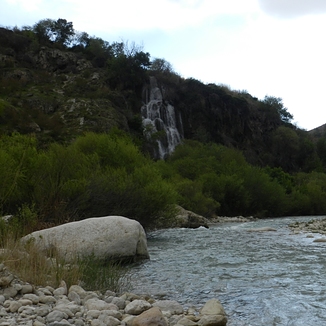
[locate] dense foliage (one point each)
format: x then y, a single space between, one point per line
106 174
72 144
97 175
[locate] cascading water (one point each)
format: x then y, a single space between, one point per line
160 121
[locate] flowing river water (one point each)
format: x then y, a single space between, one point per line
261 278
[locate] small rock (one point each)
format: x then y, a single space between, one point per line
14 306
213 320
172 306
150 317
33 297
2 298
60 291
10 292
212 307
6 280
56 316
136 307
97 304
264 229
320 240
26 288
79 290
74 296
46 299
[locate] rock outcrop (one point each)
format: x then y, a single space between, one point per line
188 219
109 237
23 304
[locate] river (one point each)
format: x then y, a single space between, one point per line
261 278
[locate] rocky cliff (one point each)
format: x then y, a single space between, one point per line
58 93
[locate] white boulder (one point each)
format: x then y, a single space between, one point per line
109 237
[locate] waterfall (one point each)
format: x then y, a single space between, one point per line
160 121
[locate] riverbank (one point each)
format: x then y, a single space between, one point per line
23 304
311 226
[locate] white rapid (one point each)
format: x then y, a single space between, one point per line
160 121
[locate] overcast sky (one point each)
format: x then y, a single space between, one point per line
266 47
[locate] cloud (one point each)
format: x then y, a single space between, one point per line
292 8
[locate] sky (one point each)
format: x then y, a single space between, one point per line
265 47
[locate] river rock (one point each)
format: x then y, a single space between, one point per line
212 307
136 307
172 306
212 320
41 308
213 314
264 229
109 237
320 240
97 304
189 219
151 317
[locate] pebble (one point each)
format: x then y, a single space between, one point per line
23 304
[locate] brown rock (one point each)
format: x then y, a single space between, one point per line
150 317
212 307
213 320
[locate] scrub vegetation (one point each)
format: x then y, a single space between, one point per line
72 143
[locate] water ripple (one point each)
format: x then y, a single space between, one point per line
261 278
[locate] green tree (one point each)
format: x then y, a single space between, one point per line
44 30
62 31
161 65
286 148
277 104
127 70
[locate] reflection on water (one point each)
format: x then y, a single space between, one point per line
261 278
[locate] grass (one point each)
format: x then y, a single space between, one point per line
35 267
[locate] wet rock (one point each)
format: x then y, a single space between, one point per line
320 240
264 229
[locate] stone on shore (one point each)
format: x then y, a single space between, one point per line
109 237
189 219
48 306
213 314
151 317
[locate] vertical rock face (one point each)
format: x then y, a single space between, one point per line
160 120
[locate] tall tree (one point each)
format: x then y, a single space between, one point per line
63 31
277 104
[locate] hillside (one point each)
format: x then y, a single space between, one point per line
91 128
58 92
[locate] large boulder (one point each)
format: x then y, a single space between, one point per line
107 238
189 219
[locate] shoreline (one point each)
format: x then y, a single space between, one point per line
24 304
313 226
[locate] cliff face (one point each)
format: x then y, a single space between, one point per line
58 93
